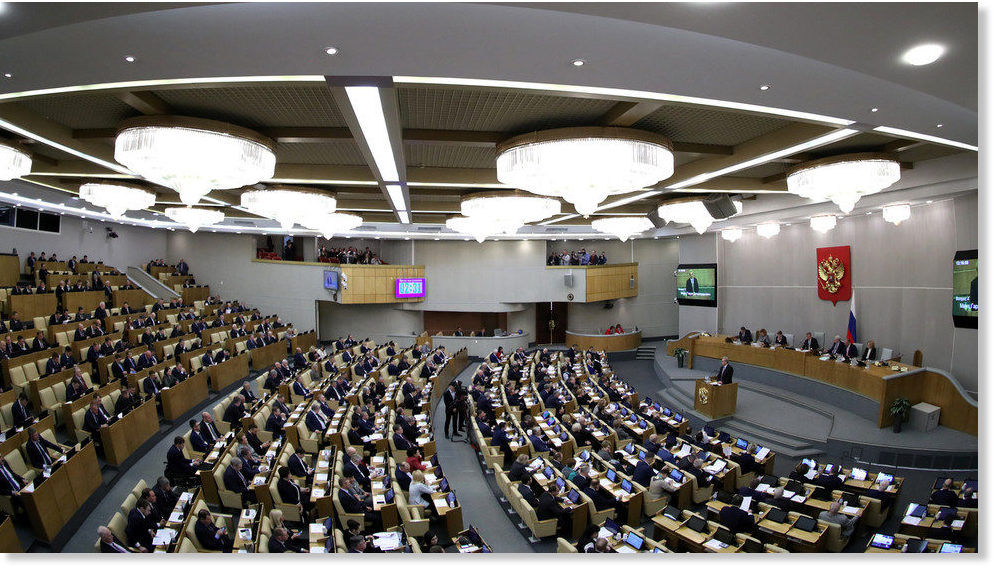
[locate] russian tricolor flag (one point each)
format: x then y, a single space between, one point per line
851 336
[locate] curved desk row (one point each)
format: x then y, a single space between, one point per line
605 342
476 346
881 384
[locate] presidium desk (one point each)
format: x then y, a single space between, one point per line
881 384
605 342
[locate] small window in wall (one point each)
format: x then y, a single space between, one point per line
30 219
49 222
27 219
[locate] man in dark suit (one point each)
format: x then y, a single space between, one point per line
449 399
745 336
838 347
724 374
809 343
852 351
140 530
20 413
735 518
314 421
11 483
298 467
537 441
291 492
53 365
177 463
39 342
207 360
274 424
126 401
150 384
642 473
691 285
353 505
945 496
355 468
234 481
235 411
209 535
196 437
66 361
146 360
37 449
746 460
279 542
109 543
399 440
165 497
247 393
117 369
402 474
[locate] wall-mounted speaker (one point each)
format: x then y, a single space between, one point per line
568 280
631 282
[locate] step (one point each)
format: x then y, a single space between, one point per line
784 439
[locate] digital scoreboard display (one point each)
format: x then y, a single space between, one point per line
410 288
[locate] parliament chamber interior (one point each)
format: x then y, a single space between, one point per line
489 278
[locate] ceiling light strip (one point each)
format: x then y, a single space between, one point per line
129 85
925 137
28 134
613 92
369 112
820 141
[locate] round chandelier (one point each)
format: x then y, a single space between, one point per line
768 229
14 162
731 234
897 213
621 227
328 224
509 210
480 228
584 165
194 217
844 179
823 223
116 197
692 212
288 205
194 156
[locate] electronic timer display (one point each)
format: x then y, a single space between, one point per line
410 288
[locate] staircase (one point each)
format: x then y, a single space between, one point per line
645 353
150 284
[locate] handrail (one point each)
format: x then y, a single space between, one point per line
150 284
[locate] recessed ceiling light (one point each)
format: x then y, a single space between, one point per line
929 201
331 50
8 75
869 213
874 109
578 62
923 54
786 225
938 125
129 58
765 87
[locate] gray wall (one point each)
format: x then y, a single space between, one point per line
376 321
135 245
698 249
653 310
901 276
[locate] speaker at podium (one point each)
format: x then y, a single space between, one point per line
714 399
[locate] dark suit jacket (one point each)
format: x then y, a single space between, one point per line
289 492
400 442
548 507
233 482
206 535
869 353
643 473
137 530
692 285
852 351
21 415
837 349
37 455
812 345
725 373
176 462
735 519
197 442
944 498
297 466
349 502
5 488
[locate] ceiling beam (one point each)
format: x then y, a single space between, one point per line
627 113
483 139
695 148
901 144
296 134
145 102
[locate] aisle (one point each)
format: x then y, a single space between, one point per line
480 504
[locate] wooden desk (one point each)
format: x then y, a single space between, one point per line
605 342
70 407
136 298
128 433
159 348
881 384
18 439
228 372
36 385
304 342
194 293
171 280
715 401
9 542
88 299
69 328
453 516
55 500
181 397
31 305
267 355
10 273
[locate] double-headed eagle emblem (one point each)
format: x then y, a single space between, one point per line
830 273
703 395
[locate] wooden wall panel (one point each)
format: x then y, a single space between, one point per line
375 284
608 282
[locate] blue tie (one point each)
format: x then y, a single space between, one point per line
45 458
14 486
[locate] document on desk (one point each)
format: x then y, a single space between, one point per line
164 536
323 464
387 540
317 493
850 510
958 524
604 533
29 488
799 498
315 529
762 453
746 502
176 518
911 520
715 544
317 549
322 477
763 487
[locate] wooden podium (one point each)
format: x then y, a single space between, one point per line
715 401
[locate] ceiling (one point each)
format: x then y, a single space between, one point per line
448 129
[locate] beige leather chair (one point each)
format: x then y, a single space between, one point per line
563 546
411 517
539 528
128 504
834 541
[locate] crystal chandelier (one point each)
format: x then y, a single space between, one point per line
14 162
508 210
328 224
288 206
584 165
844 179
768 229
823 223
194 217
621 227
732 234
897 213
479 228
116 197
194 156
692 212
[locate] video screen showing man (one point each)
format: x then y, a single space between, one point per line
966 300
696 283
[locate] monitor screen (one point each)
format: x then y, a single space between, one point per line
671 512
550 421
697 523
331 280
630 448
642 424
950 548
545 414
882 541
626 485
585 455
560 483
451 499
676 475
642 454
966 306
548 472
611 526
388 496
410 288
667 412
574 496
443 486
564 436
810 462
697 284
634 540
612 475
916 546
741 443
678 417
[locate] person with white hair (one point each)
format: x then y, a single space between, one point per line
109 543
